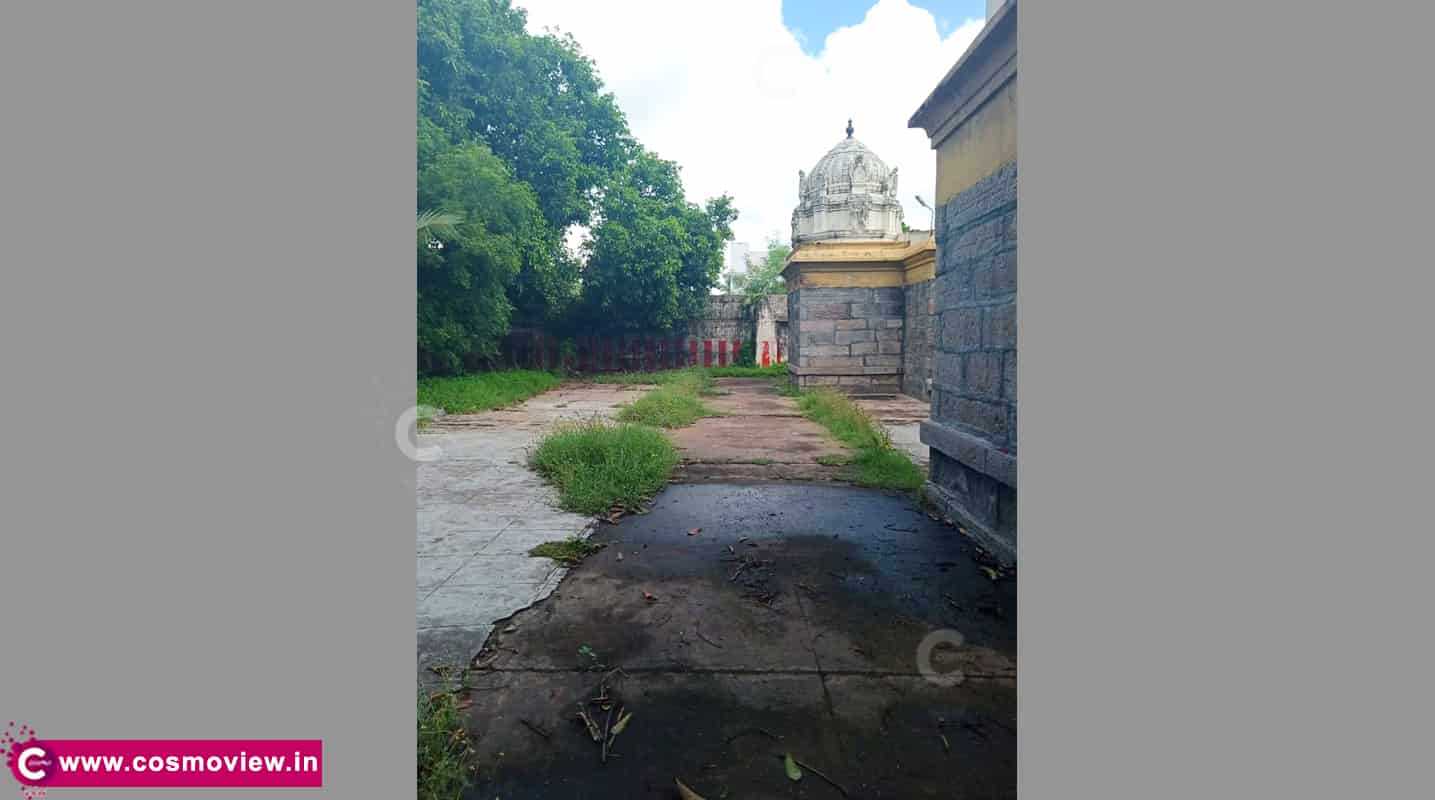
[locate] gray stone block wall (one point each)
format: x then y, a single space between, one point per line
847 338
972 430
917 342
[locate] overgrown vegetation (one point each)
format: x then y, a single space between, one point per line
642 378
569 552
876 463
600 465
445 757
467 394
764 279
771 371
676 403
519 146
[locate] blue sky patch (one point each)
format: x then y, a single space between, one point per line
812 20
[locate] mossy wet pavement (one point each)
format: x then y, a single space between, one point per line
790 622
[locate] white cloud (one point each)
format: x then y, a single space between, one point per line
726 91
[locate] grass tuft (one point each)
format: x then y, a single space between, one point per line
876 463
445 756
468 394
887 469
599 465
569 552
846 420
674 404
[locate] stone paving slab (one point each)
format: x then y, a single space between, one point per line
480 510
810 650
761 435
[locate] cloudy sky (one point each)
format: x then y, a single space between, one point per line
744 93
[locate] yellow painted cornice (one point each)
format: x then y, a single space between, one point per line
862 264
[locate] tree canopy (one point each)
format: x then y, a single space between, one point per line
518 140
765 278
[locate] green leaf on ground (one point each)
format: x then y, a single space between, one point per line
793 773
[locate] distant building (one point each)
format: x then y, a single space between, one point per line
739 256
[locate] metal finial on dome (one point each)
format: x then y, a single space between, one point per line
849 127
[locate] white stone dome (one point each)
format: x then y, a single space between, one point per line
851 194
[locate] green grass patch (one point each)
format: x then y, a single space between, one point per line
844 419
674 404
661 377
445 757
834 461
598 465
467 394
876 463
748 372
887 469
569 552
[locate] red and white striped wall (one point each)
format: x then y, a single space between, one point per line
637 353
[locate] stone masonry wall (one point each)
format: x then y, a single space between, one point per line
972 431
711 339
847 338
917 344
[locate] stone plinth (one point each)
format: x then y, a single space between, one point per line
848 311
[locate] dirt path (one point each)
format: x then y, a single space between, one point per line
790 622
761 436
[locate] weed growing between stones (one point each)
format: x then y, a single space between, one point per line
599 465
569 552
877 463
674 404
445 756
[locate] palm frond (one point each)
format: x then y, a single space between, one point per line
437 221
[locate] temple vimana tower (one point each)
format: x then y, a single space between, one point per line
858 285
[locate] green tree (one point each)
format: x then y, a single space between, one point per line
493 232
654 256
526 117
765 279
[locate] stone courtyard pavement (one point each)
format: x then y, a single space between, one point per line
480 510
736 622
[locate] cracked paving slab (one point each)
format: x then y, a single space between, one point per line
789 622
480 510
